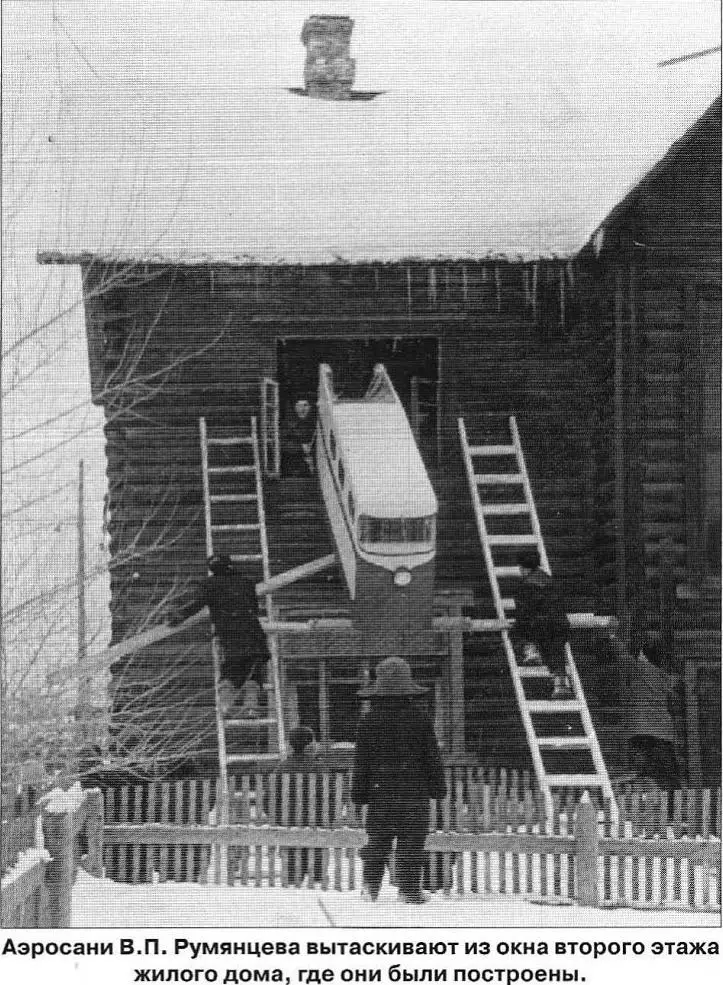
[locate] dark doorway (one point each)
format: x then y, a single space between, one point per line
412 364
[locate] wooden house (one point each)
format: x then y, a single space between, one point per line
340 236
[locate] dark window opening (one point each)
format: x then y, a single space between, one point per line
410 361
407 530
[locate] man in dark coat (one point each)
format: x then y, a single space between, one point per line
542 629
233 605
397 769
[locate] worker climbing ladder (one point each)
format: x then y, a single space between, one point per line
232 487
507 497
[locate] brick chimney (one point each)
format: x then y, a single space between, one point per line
329 71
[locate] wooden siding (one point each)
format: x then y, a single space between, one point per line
198 342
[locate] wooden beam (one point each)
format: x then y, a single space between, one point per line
692 427
441 624
619 456
296 574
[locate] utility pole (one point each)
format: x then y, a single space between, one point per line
82 642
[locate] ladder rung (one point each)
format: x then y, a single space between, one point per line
498 479
218 469
509 571
508 603
230 441
233 527
249 722
238 558
250 757
505 509
574 780
492 450
511 540
233 497
550 707
563 741
541 672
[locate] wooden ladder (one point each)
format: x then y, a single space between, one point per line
522 506
253 549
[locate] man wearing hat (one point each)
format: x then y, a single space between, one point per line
542 628
233 605
397 769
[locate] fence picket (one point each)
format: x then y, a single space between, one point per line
338 813
285 806
347 809
110 852
124 849
165 818
150 816
137 819
460 824
191 851
325 823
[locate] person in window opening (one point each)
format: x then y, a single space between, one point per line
231 598
397 769
297 439
541 628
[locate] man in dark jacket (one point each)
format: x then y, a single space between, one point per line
397 769
233 605
542 629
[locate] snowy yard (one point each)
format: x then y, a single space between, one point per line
103 903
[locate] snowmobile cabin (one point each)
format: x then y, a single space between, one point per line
483 297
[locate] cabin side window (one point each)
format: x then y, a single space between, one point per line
406 530
332 444
341 473
352 505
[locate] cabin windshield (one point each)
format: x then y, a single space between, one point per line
406 530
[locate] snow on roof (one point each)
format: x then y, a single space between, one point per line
502 130
387 472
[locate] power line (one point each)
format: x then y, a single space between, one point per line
687 58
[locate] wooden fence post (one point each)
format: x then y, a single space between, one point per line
58 836
586 851
94 832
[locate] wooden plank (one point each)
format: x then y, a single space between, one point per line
242 798
447 827
205 854
258 819
325 823
137 818
178 789
151 816
286 859
619 457
312 823
338 814
351 853
165 818
123 851
460 823
110 853
192 851
298 781
272 808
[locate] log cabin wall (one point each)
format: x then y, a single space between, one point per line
660 265
167 345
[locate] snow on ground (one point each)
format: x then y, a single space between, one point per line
104 903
